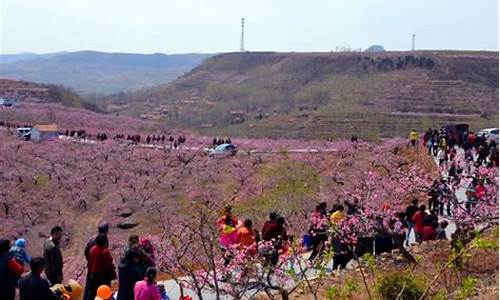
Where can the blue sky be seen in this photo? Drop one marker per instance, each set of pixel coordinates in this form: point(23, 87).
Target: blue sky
point(183, 26)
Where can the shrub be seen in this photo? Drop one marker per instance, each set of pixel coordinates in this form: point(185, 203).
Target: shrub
point(390, 286)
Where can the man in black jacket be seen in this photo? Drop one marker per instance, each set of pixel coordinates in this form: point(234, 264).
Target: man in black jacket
point(53, 256)
point(410, 211)
point(129, 272)
point(34, 287)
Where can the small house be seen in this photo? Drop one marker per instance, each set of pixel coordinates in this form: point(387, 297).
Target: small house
point(44, 132)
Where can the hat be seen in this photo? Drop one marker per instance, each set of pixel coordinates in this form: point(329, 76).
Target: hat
point(20, 243)
point(104, 292)
point(76, 289)
point(103, 228)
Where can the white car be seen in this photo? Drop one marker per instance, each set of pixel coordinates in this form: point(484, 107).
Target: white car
point(489, 133)
point(223, 150)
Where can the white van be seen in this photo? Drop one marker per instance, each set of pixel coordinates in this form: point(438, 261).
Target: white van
point(489, 133)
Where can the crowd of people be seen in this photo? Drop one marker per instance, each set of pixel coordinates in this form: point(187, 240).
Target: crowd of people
point(133, 138)
point(443, 145)
point(136, 271)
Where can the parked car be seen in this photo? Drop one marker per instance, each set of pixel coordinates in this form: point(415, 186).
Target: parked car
point(490, 133)
point(223, 150)
point(23, 131)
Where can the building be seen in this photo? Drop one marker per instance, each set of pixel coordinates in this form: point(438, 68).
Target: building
point(44, 132)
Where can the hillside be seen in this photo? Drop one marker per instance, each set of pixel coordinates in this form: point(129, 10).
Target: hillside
point(23, 91)
point(325, 95)
point(90, 72)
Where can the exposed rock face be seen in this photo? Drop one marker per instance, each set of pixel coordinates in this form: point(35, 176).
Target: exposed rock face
point(124, 212)
point(127, 224)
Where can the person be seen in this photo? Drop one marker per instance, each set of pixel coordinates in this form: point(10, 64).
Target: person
point(227, 218)
point(53, 256)
point(70, 291)
point(318, 230)
point(7, 278)
point(228, 234)
point(429, 232)
point(277, 234)
point(100, 267)
point(19, 252)
point(480, 191)
point(269, 225)
point(409, 213)
point(247, 237)
point(102, 229)
point(413, 136)
point(418, 221)
point(147, 289)
point(338, 215)
point(443, 144)
point(130, 271)
point(33, 286)
point(133, 244)
point(148, 252)
point(352, 207)
point(441, 230)
point(470, 194)
point(441, 156)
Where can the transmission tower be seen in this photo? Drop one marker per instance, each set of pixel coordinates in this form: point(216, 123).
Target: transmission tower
point(413, 42)
point(242, 42)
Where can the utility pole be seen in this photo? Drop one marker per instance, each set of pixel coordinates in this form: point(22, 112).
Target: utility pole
point(413, 42)
point(242, 42)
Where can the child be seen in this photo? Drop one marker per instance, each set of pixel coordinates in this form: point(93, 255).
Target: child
point(18, 251)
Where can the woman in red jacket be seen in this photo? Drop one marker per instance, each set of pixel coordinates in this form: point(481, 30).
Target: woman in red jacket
point(100, 267)
point(418, 220)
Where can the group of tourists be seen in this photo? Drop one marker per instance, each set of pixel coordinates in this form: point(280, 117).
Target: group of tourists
point(136, 271)
point(134, 138)
point(443, 145)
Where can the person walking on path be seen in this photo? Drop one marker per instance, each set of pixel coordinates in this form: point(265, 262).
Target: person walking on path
point(33, 286)
point(19, 252)
point(147, 289)
point(413, 137)
point(53, 256)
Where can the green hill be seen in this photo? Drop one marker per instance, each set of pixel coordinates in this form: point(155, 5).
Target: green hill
point(24, 91)
point(323, 95)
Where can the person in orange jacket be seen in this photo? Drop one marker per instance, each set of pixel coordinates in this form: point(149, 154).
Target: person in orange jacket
point(247, 237)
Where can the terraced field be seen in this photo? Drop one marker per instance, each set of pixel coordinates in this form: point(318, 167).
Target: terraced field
point(325, 95)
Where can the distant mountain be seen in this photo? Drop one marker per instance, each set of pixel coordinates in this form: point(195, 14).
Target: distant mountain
point(12, 58)
point(90, 72)
point(323, 95)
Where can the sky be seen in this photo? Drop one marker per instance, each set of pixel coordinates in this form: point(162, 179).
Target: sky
point(203, 26)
